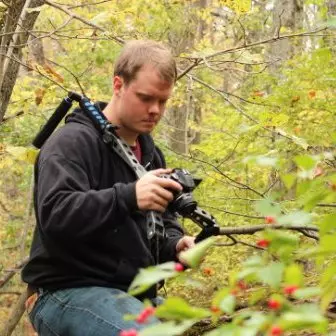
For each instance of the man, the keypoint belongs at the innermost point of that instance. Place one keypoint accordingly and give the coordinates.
(91, 239)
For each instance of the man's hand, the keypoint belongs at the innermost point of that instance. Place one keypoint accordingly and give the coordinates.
(154, 192)
(185, 243)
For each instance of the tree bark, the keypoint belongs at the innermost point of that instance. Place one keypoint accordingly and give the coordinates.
(288, 15)
(14, 52)
(12, 18)
(15, 316)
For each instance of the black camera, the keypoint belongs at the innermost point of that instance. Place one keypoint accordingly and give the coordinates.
(183, 202)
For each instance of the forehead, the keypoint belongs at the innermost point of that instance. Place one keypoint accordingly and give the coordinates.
(149, 81)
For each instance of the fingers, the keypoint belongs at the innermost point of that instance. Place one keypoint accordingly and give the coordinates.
(154, 192)
(160, 171)
(165, 182)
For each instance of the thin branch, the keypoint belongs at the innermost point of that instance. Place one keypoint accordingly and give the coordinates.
(6, 119)
(71, 73)
(88, 4)
(225, 98)
(75, 16)
(39, 72)
(239, 184)
(250, 230)
(233, 213)
(274, 39)
(12, 272)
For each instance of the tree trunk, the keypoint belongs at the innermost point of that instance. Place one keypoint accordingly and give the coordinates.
(12, 18)
(288, 16)
(181, 135)
(15, 316)
(331, 4)
(13, 51)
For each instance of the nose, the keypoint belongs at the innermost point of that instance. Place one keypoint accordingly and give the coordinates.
(154, 108)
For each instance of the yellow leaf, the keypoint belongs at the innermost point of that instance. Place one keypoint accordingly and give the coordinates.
(22, 153)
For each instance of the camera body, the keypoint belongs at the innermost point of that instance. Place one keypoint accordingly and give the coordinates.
(183, 202)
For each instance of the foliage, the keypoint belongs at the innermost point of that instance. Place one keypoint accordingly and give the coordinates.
(267, 149)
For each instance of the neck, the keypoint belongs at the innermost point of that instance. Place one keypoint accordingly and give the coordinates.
(109, 112)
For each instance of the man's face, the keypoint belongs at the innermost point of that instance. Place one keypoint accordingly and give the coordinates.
(141, 103)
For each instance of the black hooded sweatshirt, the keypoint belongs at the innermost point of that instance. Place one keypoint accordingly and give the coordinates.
(89, 230)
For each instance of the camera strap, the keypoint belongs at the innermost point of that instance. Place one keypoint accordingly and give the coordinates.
(154, 222)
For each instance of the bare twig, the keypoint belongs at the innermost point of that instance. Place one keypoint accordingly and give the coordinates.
(12, 272)
(5, 119)
(76, 17)
(250, 230)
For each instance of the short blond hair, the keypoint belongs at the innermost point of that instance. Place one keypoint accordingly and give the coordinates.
(135, 54)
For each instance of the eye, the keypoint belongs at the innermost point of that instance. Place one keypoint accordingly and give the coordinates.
(145, 98)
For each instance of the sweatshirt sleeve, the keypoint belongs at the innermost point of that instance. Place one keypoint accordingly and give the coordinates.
(67, 206)
(67, 203)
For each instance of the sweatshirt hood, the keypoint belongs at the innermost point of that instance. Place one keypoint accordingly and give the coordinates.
(145, 140)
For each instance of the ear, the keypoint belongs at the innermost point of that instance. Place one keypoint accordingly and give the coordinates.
(118, 84)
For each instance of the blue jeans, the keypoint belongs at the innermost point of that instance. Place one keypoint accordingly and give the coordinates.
(86, 311)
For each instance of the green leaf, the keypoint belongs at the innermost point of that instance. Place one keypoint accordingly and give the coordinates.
(306, 293)
(150, 276)
(193, 256)
(167, 328)
(227, 330)
(228, 304)
(176, 308)
(304, 316)
(293, 275)
(272, 274)
(306, 162)
(267, 207)
(327, 243)
(329, 293)
(254, 261)
(328, 223)
(331, 23)
(295, 218)
(257, 319)
(288, 180)
(313, 196)
(257, 295)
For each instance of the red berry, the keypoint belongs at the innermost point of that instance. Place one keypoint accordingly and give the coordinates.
(270, 220)
(290, 289)
(276, 331)
(215, 309)
(263, 243)
(179, 267)
(129, 332)
(145, 314)
(141, 318)
(242, 284)
(274, 304)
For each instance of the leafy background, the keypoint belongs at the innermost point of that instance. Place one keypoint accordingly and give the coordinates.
(253, 114)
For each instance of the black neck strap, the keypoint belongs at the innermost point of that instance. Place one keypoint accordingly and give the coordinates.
(110, 137)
